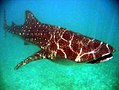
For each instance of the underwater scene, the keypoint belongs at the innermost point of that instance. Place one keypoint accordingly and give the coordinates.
(26, 31)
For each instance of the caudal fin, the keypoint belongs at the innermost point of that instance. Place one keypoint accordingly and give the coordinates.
(5, 26)
(5, 22)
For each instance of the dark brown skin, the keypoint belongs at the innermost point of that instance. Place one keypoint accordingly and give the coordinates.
(58, 42)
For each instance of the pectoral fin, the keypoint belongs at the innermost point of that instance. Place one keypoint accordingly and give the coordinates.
(37, 56)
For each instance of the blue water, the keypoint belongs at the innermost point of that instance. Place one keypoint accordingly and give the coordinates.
(95, 18)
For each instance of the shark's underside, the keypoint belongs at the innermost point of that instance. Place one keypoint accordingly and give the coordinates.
(57, 42)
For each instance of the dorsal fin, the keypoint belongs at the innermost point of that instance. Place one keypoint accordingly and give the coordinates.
(29, 15)
(30, 18)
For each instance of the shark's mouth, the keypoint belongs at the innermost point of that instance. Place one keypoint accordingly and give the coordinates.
(105, 57)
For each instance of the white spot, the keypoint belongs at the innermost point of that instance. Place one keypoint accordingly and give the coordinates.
(24, 63)
(30, 57)
(19, 33)
(43, 56)
(101, 43)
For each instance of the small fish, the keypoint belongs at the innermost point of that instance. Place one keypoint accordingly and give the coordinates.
(57, 42)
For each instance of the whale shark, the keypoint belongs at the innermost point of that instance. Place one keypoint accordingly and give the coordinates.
(57, 42)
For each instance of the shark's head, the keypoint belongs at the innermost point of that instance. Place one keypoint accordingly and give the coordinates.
(96, 51)
(103, 52)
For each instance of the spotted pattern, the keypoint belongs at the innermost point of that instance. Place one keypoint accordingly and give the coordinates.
(57, 42)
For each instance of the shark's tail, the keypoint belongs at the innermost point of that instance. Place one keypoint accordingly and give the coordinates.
(5, 26)
(5, 23)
